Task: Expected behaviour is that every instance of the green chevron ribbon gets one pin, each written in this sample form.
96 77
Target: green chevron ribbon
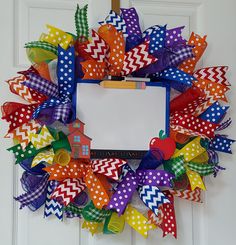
43 45
81 21
202 169
91 213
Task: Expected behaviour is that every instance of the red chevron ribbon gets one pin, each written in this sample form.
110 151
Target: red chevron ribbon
193 124
211 89
26 93
168 224
137 58
17 113
108 167
190 195
68 190
200 45
214 74
156 220
97 48
21 133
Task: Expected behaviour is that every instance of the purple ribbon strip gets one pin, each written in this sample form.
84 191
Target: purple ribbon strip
155 178
124 193
174 37
35 194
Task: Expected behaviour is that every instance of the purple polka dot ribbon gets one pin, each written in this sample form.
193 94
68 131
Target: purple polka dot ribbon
155 178
131 19
174 37
124 193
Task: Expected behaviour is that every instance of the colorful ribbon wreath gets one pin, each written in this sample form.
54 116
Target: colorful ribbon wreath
101 191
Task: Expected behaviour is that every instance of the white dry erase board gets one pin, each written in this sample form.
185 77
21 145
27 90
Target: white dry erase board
121 119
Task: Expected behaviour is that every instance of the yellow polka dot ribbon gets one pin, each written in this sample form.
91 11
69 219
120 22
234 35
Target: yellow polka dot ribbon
191 150
137 221
195 180
56 36
93 227
202 158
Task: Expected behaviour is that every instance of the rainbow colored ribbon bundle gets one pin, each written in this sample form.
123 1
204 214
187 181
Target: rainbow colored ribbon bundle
50 145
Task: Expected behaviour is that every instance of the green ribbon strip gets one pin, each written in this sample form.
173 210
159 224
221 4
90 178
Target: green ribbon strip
81 21
202 169
176 166
73 208
28 152
43 45
91 213
62 142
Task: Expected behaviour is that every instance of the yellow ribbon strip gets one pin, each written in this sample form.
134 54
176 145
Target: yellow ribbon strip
62 157
93 227
56 36
116 223
137 221
41 140
203 158
195 180
191 150
44 156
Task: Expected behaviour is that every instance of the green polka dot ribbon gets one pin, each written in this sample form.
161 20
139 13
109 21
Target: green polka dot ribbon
22 154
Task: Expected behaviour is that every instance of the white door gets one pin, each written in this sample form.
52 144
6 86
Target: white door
211 223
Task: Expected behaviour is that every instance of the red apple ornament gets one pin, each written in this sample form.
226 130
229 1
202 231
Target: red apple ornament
164 144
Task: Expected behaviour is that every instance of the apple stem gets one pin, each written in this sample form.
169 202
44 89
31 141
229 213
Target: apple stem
162 134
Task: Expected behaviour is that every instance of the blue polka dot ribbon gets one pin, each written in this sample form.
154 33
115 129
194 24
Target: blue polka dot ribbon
214 113
60 102
221 143
175 75
157 40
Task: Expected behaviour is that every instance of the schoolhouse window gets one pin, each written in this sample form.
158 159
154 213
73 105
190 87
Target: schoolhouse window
85 150
76 138
76 125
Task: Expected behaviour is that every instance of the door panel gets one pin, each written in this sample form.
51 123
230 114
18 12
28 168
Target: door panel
198 224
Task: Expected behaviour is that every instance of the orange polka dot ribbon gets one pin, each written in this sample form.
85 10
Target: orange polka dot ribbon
200 45
93 69
168 224
97 192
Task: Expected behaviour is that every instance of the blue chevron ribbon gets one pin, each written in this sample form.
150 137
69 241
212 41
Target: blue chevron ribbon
51 205
117 21
152 197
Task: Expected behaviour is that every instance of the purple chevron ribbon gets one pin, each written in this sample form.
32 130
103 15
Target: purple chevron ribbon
34 194
224 125
155 178
213 157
